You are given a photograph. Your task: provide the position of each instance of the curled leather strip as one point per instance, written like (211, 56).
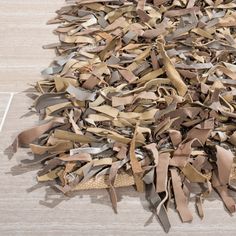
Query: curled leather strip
(28, 136)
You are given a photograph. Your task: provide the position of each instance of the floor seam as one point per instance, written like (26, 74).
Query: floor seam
(6, 110)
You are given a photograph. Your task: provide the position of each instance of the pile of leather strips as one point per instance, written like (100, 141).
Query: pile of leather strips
(140, 93)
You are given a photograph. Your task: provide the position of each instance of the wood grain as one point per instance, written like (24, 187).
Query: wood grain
(27, 208)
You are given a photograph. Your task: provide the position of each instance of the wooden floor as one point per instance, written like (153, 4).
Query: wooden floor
(27, 208)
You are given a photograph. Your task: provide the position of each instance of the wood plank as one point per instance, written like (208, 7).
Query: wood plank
(23, 32)
(18, 79)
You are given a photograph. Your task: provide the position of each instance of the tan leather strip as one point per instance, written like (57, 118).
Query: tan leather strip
(172, 72)
(77, 157)
(58, 147)
(193, 175)
(61, 134)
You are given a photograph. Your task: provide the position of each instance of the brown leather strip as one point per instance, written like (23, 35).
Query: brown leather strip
(112, 176)
(182, 154)
(224, 163)
(222, 190)
(162, 172)
(135, 164)
(199, 206)
(180, 198)
(28, 136)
